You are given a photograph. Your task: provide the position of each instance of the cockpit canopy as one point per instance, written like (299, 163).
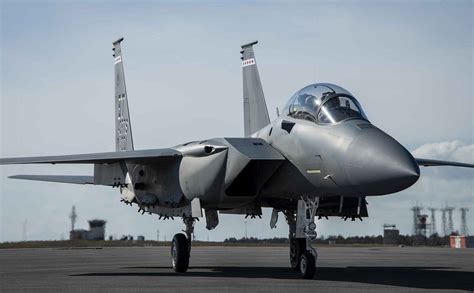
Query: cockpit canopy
(324, 103)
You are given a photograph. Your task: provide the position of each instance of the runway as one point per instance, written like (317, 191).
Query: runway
(235, 269)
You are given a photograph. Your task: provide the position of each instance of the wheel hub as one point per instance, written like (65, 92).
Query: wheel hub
(173, 254)
(303, 265)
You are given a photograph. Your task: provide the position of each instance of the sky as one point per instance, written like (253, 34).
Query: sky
(409, 63)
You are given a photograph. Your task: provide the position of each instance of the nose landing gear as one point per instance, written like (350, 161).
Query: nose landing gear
(302, 230)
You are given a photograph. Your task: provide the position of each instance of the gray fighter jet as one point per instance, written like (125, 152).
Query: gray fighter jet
(320, 157)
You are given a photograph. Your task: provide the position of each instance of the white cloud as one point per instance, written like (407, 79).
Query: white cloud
(447, 150)
(455, 150)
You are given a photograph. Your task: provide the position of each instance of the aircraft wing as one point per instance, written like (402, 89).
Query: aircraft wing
(57, 178)
(430, 163)
(108, 167)
(142, 157)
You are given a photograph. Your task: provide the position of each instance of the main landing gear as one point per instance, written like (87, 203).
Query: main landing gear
(181, 247)
(302, 230)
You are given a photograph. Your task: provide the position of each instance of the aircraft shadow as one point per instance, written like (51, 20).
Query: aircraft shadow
(412, 277)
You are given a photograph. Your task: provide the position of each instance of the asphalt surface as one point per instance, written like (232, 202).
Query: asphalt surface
(235, 269)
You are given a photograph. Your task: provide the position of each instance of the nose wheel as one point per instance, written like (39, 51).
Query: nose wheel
(307, 265)
(297, 247)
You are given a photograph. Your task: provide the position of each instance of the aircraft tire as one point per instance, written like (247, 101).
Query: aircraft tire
(307, 265)
(180, 253)
(297, 246)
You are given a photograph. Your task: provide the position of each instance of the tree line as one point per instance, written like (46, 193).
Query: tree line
(409, 240)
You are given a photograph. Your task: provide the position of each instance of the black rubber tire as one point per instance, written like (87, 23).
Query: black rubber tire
(180, 253)
(307, 265)
(297, 246)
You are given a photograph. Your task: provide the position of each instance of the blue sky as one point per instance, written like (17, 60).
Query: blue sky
(409, 63)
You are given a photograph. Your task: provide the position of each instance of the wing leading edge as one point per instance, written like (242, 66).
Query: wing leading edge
(430, 163)
(142, 157)
(57, 178)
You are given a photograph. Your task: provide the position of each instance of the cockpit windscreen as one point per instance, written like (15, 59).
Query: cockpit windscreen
(338, 108)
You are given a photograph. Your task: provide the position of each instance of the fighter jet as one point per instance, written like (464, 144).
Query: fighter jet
(321, 157)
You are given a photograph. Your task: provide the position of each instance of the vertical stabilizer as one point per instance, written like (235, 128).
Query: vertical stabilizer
(255, 109)
(123, 126)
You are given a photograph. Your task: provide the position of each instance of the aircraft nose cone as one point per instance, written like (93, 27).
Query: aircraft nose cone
(377, 164)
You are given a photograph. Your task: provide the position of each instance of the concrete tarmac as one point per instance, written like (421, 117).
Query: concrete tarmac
(235, 269)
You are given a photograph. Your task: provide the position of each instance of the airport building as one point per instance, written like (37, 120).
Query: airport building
(390, 234)
(96, 231)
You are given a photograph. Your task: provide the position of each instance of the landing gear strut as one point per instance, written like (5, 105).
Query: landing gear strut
(181, 247)
(302, 231)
